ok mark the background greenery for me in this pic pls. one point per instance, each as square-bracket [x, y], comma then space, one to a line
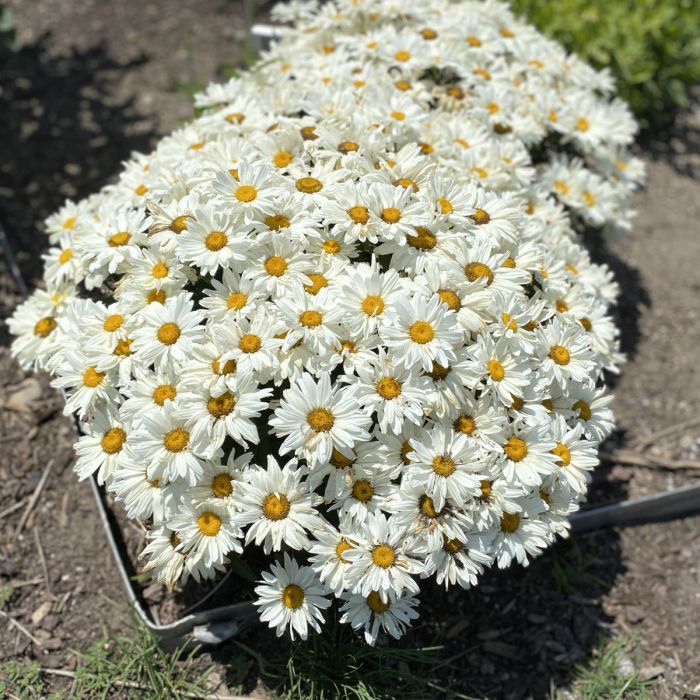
[651, 46]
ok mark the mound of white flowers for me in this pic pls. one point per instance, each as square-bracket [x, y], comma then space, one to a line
[344, 317]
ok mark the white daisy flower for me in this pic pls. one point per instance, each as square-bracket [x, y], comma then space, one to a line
[291, 599]
[315, 418]
[277, 507]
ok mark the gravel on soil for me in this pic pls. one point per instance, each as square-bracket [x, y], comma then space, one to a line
[93, 81]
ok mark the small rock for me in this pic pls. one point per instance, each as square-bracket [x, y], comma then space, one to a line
[635, 614]
[42, 636]
[647, 673]
[41, 612]
[54, 644]
[50, 622]
[52, 661]
[29, 390]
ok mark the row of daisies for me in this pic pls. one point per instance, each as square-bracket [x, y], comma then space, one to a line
[360, 262]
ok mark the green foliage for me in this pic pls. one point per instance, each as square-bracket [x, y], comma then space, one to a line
[651, 46]
[610, 675]
[336, 665]
[7, 31]
[134, 666]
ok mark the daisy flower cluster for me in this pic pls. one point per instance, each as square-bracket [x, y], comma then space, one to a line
[343, 321]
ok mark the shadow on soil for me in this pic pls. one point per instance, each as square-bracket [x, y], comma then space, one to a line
[62, 136]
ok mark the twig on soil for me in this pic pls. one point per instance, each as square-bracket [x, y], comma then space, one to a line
[648, 461]
[647, 440]
[34, 498]
[42, 561]
[65, 673]
[62, 602]
[21, 628]
[11, 509]
[21, 584]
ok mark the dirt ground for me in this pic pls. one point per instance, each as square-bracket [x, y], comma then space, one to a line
[95, 80]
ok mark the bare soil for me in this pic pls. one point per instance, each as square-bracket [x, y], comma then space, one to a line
[93, 81]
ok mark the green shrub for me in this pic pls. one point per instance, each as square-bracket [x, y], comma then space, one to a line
[651, 46]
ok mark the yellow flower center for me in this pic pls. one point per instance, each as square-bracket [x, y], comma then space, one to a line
[169, 333]
[275, 222]
[119, 239]
[250, 343]
[480, 217]
[388, 388]
[421, 332]
[245, 193]
[438, 372]
[452, 546]
[331, 246]
[450, 299]
[228, 368]
[362, 491]
[402, 85]
[456, 92]
[159, 270]
[347, 146]
[359, 214]
[476, 270]
[402, 56]
[157, 295]
[176, 440]
[65, 256]
[464, 424]
[561, 187]
[341, 548]
[123, 348]
[383, 556]
[45, 326]
[113, 440]
[179, 224]
[236, 301]
[391, 215]
[515, 449]
[588, 198]
[235, 117]
[443, 465]
[406, 450]
[496, 370]
[376, 604]
[473, 41]
[564, 454]
[373, 305]
[340, 461]
[292, 596]
[428, 34]
[486, 489]
[163, 392]
[445, 205]
[510, 522]
[493, 108]
[141, 190]
[582, 124]
[216, 240]
[586, 323]
[311, 318]
[222, 486]
[282, 159]
[427, 507]
[275, 507]
[321, 420]
[275, 266]
[70, 223]
[92, 378]
[308, 133]
[560, 355]
[220, 406]
[209, 523]
[584, 410]
[406, 183]
[398, 116]
[423, 240]
[309, 185]
[318, 282]
[562, 306]
[113, 322]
